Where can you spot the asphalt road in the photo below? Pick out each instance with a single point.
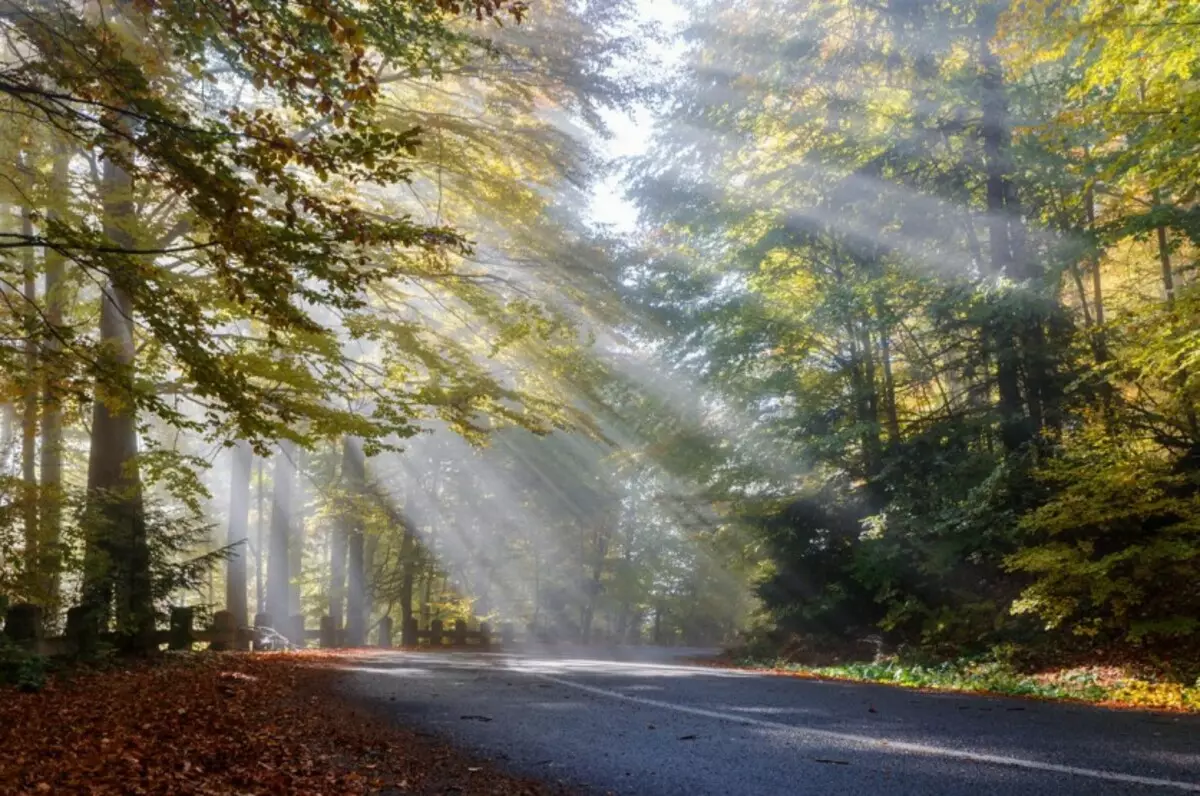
(642, 722)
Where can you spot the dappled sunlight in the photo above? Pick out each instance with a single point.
(584, 344)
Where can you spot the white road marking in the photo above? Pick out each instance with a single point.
(866, 741)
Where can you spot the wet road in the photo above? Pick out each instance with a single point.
(643, 722)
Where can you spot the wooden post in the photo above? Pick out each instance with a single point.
(328, 633)
(180, 637)
(408, 634)
(460, 632)
(385, 632)
(225, 632)
(23, 624)
(436, 631)
(506, 634)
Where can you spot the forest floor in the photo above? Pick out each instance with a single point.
(1109, 684)
(221, 723)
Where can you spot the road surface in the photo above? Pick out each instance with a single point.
(650, 724)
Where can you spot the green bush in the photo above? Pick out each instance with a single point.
(21, 668)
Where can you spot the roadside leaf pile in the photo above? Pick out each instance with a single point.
(219, 724)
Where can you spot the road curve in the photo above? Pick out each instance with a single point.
(649, 725)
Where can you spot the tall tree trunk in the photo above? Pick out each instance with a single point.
(870, 397)
(260, 595)
(537, 585)
(29, 418)
(1089, 203)
(118, 566)
(354, 479)
(891, 415)
(239, 532)
(296, 543)
(862, 378)
(278, 580)
(408, 566)
(600, 539)
(427, 594)
(337, 573)
(7, 423)
(1084, 301)
(1164, 259)
(431, 544)
(862, 371)
(1168, 280)
(52, 422)
(1015, 430)
(370, 551)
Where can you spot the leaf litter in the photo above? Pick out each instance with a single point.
(223, 723)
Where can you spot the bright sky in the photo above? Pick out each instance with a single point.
(631, 131)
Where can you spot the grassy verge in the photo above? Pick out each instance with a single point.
(1106, 685)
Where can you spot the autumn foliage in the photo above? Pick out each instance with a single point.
(219, 724)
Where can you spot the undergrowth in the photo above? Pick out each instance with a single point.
(20, 667)
(1097, 684)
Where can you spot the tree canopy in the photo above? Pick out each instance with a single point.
(303, 304)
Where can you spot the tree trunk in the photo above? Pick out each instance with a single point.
(600, 539)
(1084, 301)
(427, 594)
(52, 420)
(1164, 258)
(278, 580)
(408, 568)
(1168, 280)
(239, 532)
(870, 398)
(29, 419)
(1015, 429)
(260, 598)
(354, 479)
(891, 415)
(6, 434)
(118, 557)
(337, 573)
(296, 542)
(862, 387)
(1089, 201)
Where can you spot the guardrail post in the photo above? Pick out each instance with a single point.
(23, 624)
(295, 630)
(408, 633)
(83, 629)
(436, 631)
(385, 632)
(180, 635)
(225, 632)
(328, 633)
